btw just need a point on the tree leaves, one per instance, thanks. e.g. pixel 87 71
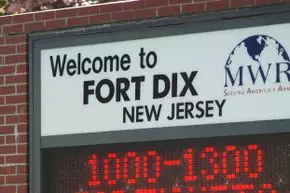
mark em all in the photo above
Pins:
pixel 8 7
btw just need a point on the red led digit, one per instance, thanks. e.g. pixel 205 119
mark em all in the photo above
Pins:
pixel 243 187
pixel 92 162
pixel 176 190
pixel 154 155
pixel 172 162
pixel 188 158
pixel 118 191
pixel 231 150
pixel 190 189
pixel 267 186
pixel 211 155
pixel 267 191
pixel 146 191
pixel 136 162
pixel 117 171
pixel 218 188
pixel 253 149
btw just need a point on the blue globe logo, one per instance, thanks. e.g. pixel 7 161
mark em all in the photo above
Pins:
pixel 257 60
pixel 259 50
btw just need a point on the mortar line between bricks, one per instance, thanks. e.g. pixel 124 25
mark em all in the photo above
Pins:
pixel 14 44
pixel 14 94
pixel 16 103
pixel 11 165
pixel 14 154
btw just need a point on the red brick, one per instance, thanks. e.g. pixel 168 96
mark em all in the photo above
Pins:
pixel 8 189
pixel 6 70
pixel 23 118
pixel 133 5
pixel 22 68
pixel 22 108
pixel 7 50
pixel 217 5
pixel 55 24
pixel 2 121
pixel 22 149
pixel 2 40
pixel 13 119
pixel 10 139
pixel 5 20
pixel 4 110
pixel 2 181
pixel 111 8
pixel 22 128
pixel 89 10
pixel 22 48
pixel 20 58
pixel 15 28
pixel 36 26
pixel 156 3
pixel 66 13
pixel 6 129
pixel 6 90
pixel 2 161
pixel 18 78
pixel 79 21
pixel 2 141
pixel 241 3
pixel 122 16
pixel 170 10
pixel 22 88
pixel 22 18
pixel 1 60
pixel 45 15
pixel 14 159
pixel 22 169
pixel 147 13
pixel 16 39
pixel 9 149
pixel 1 102
pixel 179 1
pixel 19 179
pixel 7 170
pixel 1 80
pixel 22 138
pixel 16 99
pixel 22 189
pixel 98 19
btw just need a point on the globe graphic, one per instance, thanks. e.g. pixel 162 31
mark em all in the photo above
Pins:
pixel 257 50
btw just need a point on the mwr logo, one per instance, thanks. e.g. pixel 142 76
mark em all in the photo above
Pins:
pixel 257 61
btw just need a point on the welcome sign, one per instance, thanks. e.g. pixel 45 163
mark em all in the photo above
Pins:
pixel 192 79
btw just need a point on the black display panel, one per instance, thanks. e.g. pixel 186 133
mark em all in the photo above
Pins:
pixel 248 164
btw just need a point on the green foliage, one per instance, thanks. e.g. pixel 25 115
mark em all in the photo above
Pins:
pixel 8 7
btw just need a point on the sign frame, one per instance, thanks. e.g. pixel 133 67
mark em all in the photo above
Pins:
pixel 139 30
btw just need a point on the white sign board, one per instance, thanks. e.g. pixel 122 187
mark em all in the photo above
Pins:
pixel 215 77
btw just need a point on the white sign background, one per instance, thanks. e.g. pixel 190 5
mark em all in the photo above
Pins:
pixel 63 111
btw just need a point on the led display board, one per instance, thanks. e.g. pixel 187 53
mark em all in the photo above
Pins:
pixel 227 165
pixel 188 104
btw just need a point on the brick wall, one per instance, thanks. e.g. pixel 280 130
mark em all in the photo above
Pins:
pixel 14 64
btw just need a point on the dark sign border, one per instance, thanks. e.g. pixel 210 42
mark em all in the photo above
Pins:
pixel 206 22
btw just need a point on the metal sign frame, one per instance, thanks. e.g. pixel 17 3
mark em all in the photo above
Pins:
pixel 139 30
